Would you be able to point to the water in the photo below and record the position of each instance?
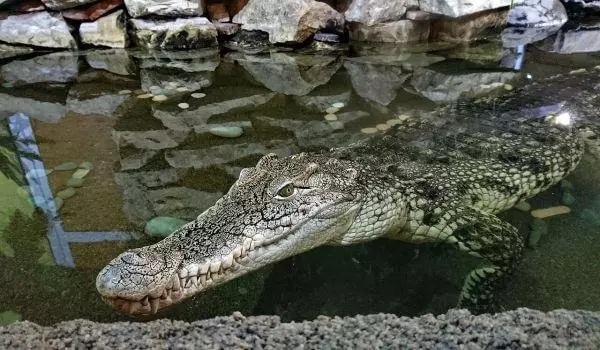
(156, 159)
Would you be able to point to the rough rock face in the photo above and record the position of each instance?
(57, 67)
(370, 12)
(65, 4)
(516, 36)
(170, 8)
(401, 31)
(289, 20)
(28, 6)
(458, 8)
(538, 13)
(467, 28)
(92, 12)
(108, 31)
(8, 51)
(37, 29)
(593, 5)
(573, 41)
(178, 34)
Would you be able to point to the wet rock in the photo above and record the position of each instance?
(169, 8)
(226, 131)
(289, 20)
(417, 15)
(226, 29)
(249, 42)
(108, 31)
(37, 29)
(149, 139)
(459, 8)
(8, 51)
(104, 105)
(65, 4)
(226, 153)
(114, 61)
(490, 52)
(376, 82)
(166, 81)
(290, 74)
(134, 159)
(218, 12)
(468, 28)
(50, 112)
(537, 13)
(58, 67)
(28, 6)
(588, 5)
(162, 226)
(581, 39)
(207, 59)
(401, 31)
(92, 12)
(327, 37)
(176, 34)
(517, 36)
(442, 87)
(181, 202)
(370, 12)
(321, 103)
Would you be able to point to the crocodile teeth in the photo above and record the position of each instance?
(170, 284)
(193, 270)
(202, 279)
(154, 305)
(194, 281)
(237, 252)
(145, 301)
(203, 269)
(228, 261)
(214, 267)
(164, 294)
(246, 245)
(176, 284)
(258, 240)
(183, 273)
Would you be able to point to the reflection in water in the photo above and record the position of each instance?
(166, 161)
(35, 173)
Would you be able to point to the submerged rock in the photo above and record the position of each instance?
(43, 29)
(115, 61)
(376, 82)
(58, 67)
(108, 31)
(168, 8)
(226, 131)
(162, 226)
(149, 139)
(289, 20)
(402, 31)
(50, 112)
(176, 34)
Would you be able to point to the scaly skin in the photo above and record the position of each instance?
(440, 179)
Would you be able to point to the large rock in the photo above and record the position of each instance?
(108, 31)
(37, 29)
(401, 31)
(459, 8)
(538, 13)
(289, 20)
(290, 74)
(58, 67)
(592, 5)
(177, 34)
(115, 61)
(468, 28)
(170, 8)
(149, 139)
(166, 81)
(370, 12)
(573, 41)
(65, 4)
(202, 60)
(517, 36)
(49, 112)
(92, 12)
(8, 51)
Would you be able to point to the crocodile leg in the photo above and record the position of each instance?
(488, 237)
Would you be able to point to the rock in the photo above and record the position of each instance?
(50, 112)
(92, 12)
(587, 5)
(468, 28)
(226, 29)
(443, 87)
(516, 36)
(290, 74)
(166, 81)
(538, 229)
(168, 8)
(249, 42)
(162, 226)
(370, 12)
(321, 103)
(484, 53)
(401, 31)
(548, 212)
(376, 82)
(108, 31)
(537, 13)
(580, 39)
(176, 34)
(149, 139)
(226, 131)
(417, 15)
(218, 12)
(27, 6)
(9, 51)
(136, 158)
(181, 202)
(289, 20)
(459, 8)
(114, 61)
(65, 4)
(37, 29)
(200, 60)
(58, 67)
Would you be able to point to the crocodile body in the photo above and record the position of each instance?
(440, 177)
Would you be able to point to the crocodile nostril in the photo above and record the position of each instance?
(133, 258)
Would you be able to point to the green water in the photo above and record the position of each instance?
(151, 158)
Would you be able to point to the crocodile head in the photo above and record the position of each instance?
(277, 209)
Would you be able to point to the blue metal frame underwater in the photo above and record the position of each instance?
(43, 198)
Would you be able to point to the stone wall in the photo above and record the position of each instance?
(191, 24)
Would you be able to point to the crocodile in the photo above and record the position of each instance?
(439, 177)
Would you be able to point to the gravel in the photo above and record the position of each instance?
(457, 329)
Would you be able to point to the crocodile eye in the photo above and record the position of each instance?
(286, 191)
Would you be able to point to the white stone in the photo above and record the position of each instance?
(37, 29)
(108, 31)
(458, 8)
(197, 32)
(370, 12)
(288, 20)
(538, 13)
(170, 8)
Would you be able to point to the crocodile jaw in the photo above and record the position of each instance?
(173, 285)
